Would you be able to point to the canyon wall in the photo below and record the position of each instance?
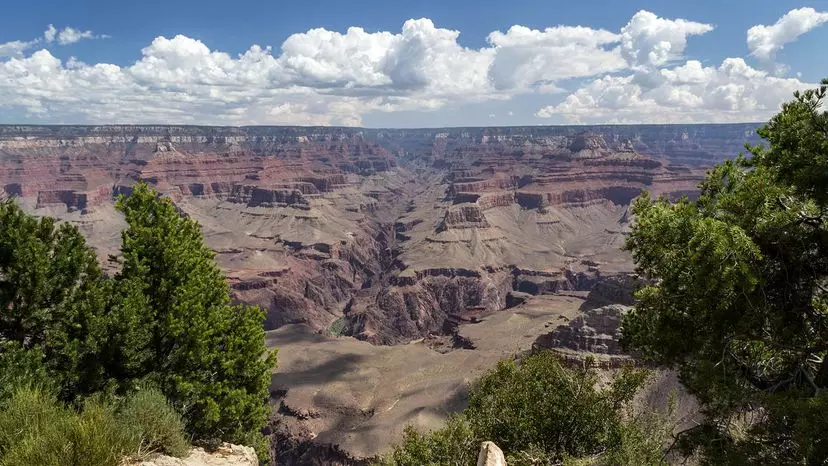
(386, 235)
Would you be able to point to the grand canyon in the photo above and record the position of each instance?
(394, 265)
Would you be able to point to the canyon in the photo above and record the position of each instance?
(393, 265)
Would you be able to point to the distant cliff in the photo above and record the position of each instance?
(690, 144)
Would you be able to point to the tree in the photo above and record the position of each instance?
(176, 324)
(541, 412)
(738, 294)
(53, 298)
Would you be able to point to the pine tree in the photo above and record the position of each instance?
(179, 327)
(53, 298)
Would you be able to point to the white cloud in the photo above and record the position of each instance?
(764, 41)
(66, 36)
(526, 58)
(15, 48)
(321, 77)
(688, 93)
(648, 40)
(70, 36)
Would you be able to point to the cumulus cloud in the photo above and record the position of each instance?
(323, 77)
(67, 35)
(14, 48)
(648, 40)
(691, 92)
(525, 58)
(765, 41)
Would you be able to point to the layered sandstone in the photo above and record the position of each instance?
(404, 233)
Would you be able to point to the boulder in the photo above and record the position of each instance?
(490, 455)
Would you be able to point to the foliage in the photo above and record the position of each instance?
(53, 295)
(178, 325)
(540, 412)
(738, 294)
(36, 428)
(337, 327)
(165, 318)
(455, 444)
(154, 422)
(20, 367)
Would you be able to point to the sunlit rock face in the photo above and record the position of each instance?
(391, 234)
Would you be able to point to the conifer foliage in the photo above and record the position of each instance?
(165, 319)
(207, 354)
(738, 299)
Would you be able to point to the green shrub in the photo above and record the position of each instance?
(30, 420)
(454, 444)
(541, 412)
(337, 327)
(97, 435)
(19, 367)
(154, 422)
(38, 429)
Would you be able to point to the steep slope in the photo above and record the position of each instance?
(402, 232)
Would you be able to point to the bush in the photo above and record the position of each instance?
(38, 429)
(19, 367)
(541, 412)
(97, 435)
(31, 420)
(454, 444)
(154, 422)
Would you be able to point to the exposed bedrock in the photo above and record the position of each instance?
(255, 196)
(397, 233)
(464, 216)
(596, 331)
(433, 305)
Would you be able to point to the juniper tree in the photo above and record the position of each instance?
(739, 294)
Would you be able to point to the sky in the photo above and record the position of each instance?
(423, 63)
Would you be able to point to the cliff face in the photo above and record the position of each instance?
(398, 233)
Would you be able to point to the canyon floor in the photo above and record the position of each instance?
(360, 396)
(394, 266)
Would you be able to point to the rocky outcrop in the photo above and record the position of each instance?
(588, 145)
(597, 331)
(463, 216)
(225, 455)
(615, 289)
(490, 455)
(432, 304)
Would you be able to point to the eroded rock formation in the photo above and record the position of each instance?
(597, 331)
(395, 234)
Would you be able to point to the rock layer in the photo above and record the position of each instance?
(394, 234)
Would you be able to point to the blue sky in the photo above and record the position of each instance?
(179, 61)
